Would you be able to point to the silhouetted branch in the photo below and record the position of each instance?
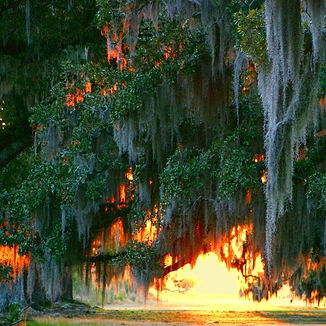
(14, 148)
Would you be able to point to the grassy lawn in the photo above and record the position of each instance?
(200, 317)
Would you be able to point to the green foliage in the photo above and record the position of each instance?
(14, 312)
(140, 255)
(248, 28)
(238, 172)
(303, 169)
(250, 34)
(79, 164)
(109, 12)
(6, 273)
(13, 316)
(313, 283)
(185, 174)
(317, 187)
(8, 4)
(322, 91)
(76, 159)
(55, 242)
(30, 181)
(13, 174)
(313, 170)
(232, 167)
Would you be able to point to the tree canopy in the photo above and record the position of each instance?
(143, 133)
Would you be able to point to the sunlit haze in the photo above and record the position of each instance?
(209, 275)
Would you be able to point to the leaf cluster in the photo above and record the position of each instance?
(250, 33)
(237, 169)
(185, 173)
(226, 163)
(6, 273)
(140, 255)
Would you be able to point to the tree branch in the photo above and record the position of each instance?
(14, 148)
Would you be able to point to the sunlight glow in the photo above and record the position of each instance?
(209, 275)
(9, 256)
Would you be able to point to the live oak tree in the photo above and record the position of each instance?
(36, 38)
(187, 106)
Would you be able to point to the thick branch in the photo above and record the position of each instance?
(104, 257)
(108, 257)
(14, 148)
(174, 267)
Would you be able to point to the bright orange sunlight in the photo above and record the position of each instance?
(114, 47)
(209, 275)
(9, 256)
(209, 285)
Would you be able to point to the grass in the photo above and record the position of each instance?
(281, 316)
(60, 323)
